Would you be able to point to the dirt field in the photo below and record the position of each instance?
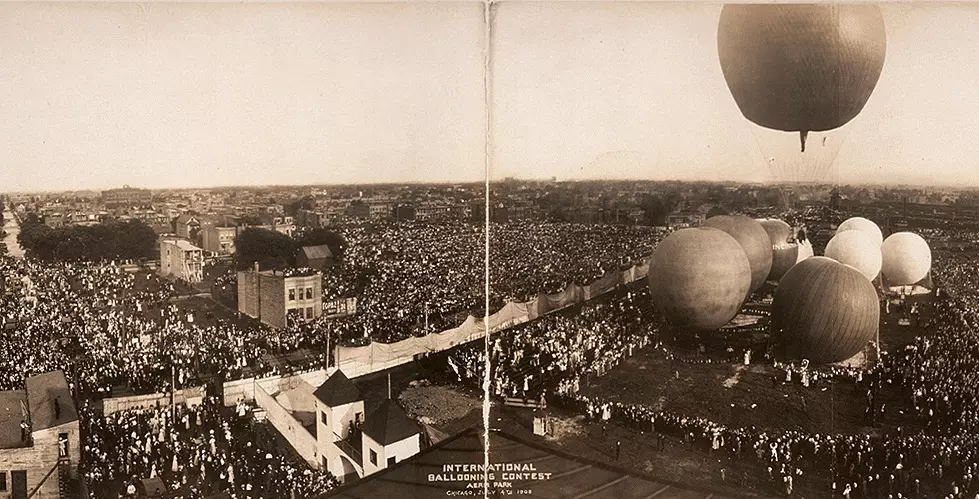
(738, 395)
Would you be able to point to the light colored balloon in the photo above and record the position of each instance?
(906, 258)
(699, 278)
(857, 249)
(753, 239)
(805, 251)
(862, 224)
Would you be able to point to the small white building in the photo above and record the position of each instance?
(352, 446)
(179, 259)
(390, 437)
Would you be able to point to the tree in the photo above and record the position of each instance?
(304, 203)
(654, 209)
(113, 240)
(319, 236)
(269, 248)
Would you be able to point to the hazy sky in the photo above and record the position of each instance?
(95, 95)
(636, 91)
(99, 95)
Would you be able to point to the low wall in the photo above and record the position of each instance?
(151, 400)
(288, 426)
(361, 361)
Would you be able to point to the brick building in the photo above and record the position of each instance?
(220, 240)
(273, 295)
(127, 196)
(39, 439)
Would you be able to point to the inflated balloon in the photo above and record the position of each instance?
(858, 250)
(824, 311)
(753, 238)
(699, 277)
(906, 258)
(805, 250)
(785, 249)
(863, 225)
(801, 68)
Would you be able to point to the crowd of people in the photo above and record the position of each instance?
(937, 372)
(410, 276)
(107, 328)
(201, 450)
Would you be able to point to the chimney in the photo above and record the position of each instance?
(256, 266)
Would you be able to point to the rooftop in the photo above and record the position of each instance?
(542, 470)
(49, 401)
(12, 404)
(314, 252)
(183, 244)
(389, 424)
(338, 390)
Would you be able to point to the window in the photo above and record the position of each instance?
(392, 461)
(292, 295)
(3, 481)
(309, 293)
(373, 457)
(309, 312)
(323, 418)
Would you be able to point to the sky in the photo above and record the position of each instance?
(634, 90)
(179, 95)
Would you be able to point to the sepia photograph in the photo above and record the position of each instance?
(428, 249)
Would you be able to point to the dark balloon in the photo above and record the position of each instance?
(784, 253)
(824, 311)
(754, 241)
(698, 278)
(801, 68)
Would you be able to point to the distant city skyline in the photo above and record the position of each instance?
(214, 95)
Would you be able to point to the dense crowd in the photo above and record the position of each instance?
(937, 372)
(550, 354)
(404, 273)
(201, 450)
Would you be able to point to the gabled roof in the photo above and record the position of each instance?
(389, 424)
(187, 218)
(317, 252)
(338, 390)
(42, 392)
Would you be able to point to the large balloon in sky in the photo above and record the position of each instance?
(699, 277)
(785, 249)
(906, 258)
(856, 249)
(863, 225)
(753, 239)
(801, 68)
(824, 311)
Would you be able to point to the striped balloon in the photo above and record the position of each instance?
(824, 311)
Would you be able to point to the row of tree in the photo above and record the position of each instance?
(113, 240)
(271, 249)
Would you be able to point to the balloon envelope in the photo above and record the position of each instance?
(906, 258)
(699, 277)
(824, 311)
(796, 67)
(785, 249)
(863, 225)
(753, 239)
(858, 250)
